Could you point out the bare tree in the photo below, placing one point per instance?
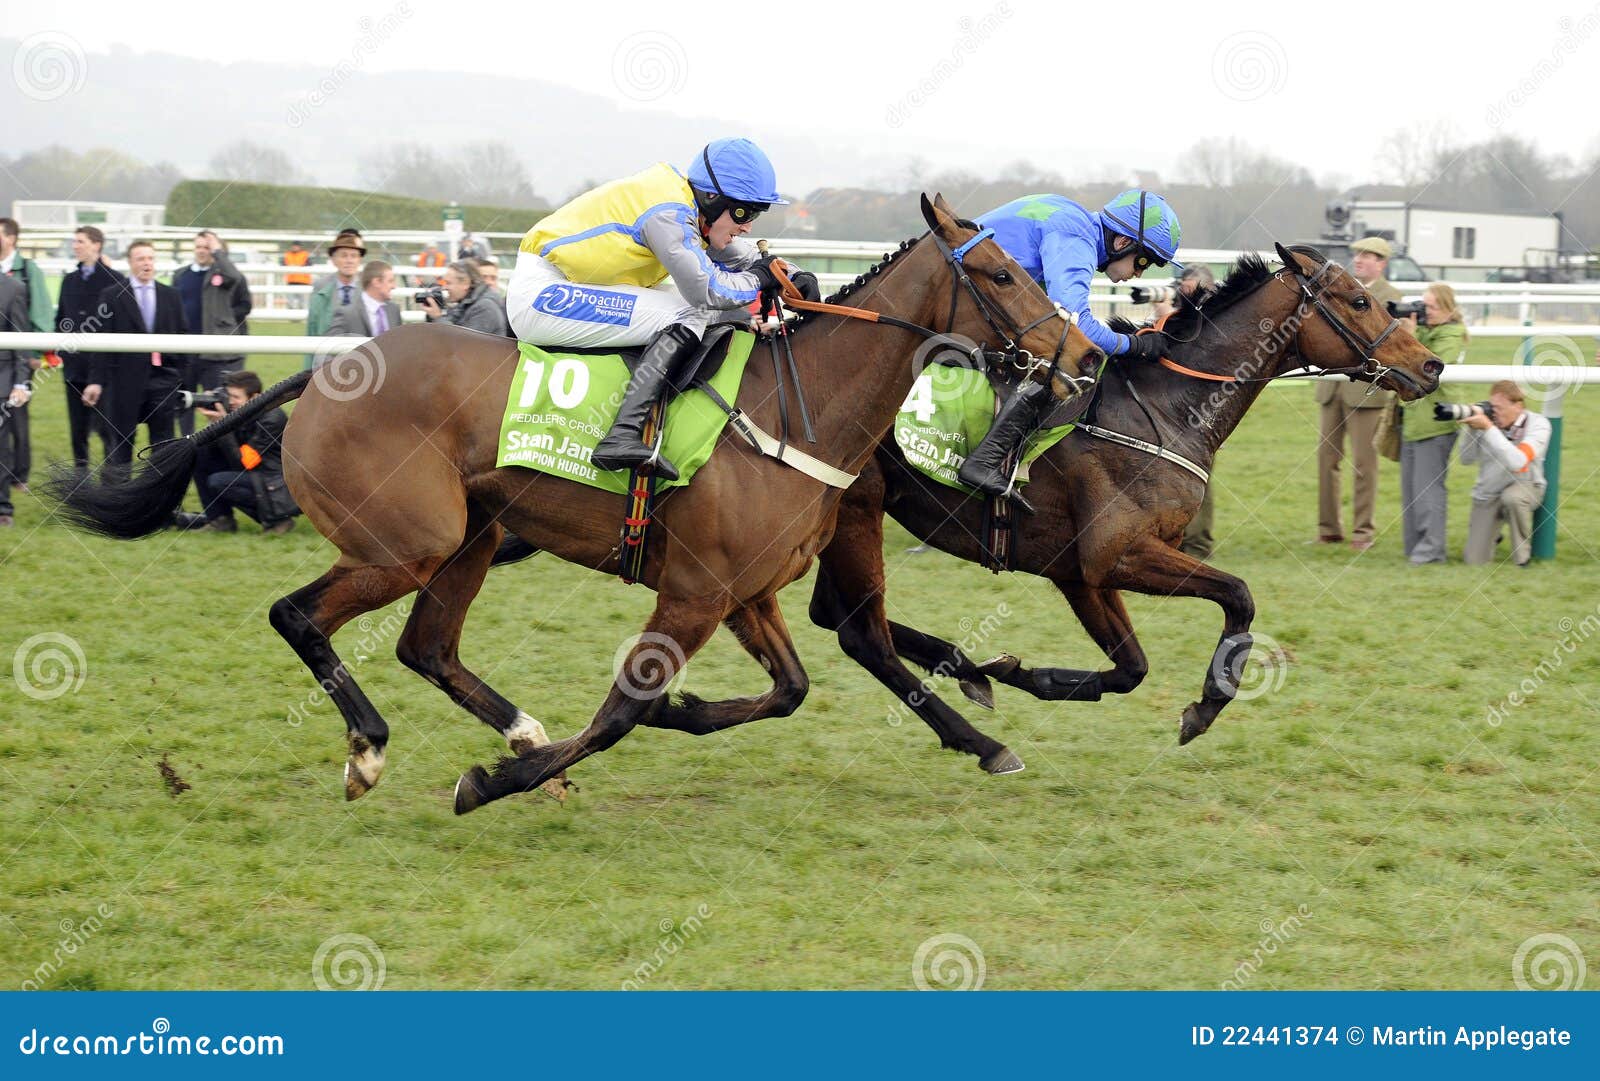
(1409, 156)
(245, 160)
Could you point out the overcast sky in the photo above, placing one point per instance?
(975, 84)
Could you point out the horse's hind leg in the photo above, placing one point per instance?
(307, 620)
(760, 629)
(677, 629)
(431, 641)
(848, 599)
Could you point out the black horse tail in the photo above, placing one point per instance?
(136, 507)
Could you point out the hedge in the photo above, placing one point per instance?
(222, 204)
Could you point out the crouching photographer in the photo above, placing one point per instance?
(463, 298)
(1508, 442)
(242, 470)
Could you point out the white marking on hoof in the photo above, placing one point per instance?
(525, 734)
(361, 773)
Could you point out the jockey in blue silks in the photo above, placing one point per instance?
(1062, 245)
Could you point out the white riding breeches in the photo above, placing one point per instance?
(547, 308)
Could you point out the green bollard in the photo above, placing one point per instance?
(1544, 516)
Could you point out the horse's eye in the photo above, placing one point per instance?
(1360, 304)
(1002, 277)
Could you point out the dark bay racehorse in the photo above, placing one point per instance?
(1110, 516)
(391, 454)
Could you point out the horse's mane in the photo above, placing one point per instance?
(1249, 273)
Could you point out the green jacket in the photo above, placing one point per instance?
(319, 312)
(1448, 342)
(41, 309)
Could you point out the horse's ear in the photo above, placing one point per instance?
(944, 207)
(929, 215)
(1286, 255)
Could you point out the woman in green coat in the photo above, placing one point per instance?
(1426, 443)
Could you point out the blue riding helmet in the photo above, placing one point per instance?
(1149, 221)
(734, 174)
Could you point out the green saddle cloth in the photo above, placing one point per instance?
(561, 405)
(946, 415)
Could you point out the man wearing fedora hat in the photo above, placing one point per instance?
(1353, 409)
(342, 288)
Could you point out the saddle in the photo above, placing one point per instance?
(704, 365)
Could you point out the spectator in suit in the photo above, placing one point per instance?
(79, 311)
(339, 290)
(41, 318)
(16, 374)
(138, 388)
(471, 304)
(244, 470)
(372, 312)
(1353, 409)
(216, 300)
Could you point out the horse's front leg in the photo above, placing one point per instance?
(1149, 566)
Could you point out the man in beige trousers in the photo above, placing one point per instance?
(1353, 409)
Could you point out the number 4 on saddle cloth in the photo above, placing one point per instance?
(562, 402)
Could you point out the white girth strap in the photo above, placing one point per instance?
(1148, 448)
(789, 455)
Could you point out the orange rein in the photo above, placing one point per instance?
(793, 299)
(1172, 365)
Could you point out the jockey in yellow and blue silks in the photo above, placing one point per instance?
(651, 259)
(1061, 245)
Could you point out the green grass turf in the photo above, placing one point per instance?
(1361, 825)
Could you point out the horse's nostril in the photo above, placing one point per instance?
(1433, 366)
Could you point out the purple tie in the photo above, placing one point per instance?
(383, 319)
(147, 306)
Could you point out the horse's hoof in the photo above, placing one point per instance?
(362, 770)
(1002, 761)
(979, 691)
(1192, 726)
(471, 790)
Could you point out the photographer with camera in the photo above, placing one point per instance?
(1425, 440)
(464, 299)
(244, 470)
(1508, 442)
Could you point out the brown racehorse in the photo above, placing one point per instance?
(391, 454)
(1110, 517)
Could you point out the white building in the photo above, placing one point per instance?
(68, 214)
(1461, 241)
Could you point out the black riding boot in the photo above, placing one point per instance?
(624, 447)
(984, 468)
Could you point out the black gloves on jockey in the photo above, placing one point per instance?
(1149, 346)
(803, 280)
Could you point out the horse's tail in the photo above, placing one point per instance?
(142, 505)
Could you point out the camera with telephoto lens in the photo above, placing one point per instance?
(191, 400)
(1154, 294)
(434, 293)
(1407, 308)
(1451, 411)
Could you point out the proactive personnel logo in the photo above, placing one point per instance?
(588, 305)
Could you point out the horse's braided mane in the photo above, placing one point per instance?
(871, 272)
(1249, 273)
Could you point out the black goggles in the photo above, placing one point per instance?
(745, 213)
